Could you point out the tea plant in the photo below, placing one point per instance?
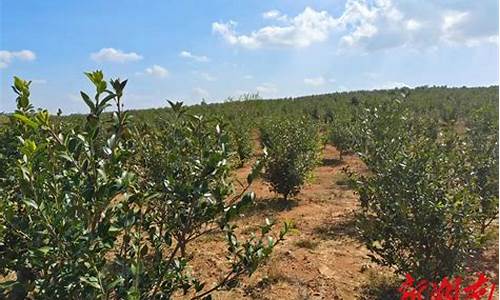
(59, 224)
(77, 223)
(343, 134)
(417, 216)
(294, 149)
(417, 212)
(186, 162)
(241, 142)
(481, 147)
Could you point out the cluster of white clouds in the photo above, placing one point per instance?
(6, 57)
(119, 56)
(275, 14)
(418, 24)
(198, 58)
(308, 27)
(114, 55)
(365, 25)
(267, 89)
(373, 25)
(318, 81)
(157, 71)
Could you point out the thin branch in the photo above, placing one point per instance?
(226, 279)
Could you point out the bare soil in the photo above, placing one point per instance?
(322, 258)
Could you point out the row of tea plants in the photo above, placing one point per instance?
(106, 209)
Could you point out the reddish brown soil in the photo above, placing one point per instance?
(322, 258)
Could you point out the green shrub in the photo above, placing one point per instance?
(186, 162)
(342, 137)
(78, 221)
(293, 147)
(481, 162)
(240, 142)
(417, 216)
(418, 213)
(60, 224)
(342, 130)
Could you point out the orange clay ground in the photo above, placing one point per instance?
(322, 258)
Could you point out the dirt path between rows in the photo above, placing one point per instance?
(322, 257)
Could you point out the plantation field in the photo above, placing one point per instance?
(335, 196)
(324, 257)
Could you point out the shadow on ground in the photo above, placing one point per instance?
(331, 162)
(380, 288)
(485, 259)
(270, 206)
(343, 227)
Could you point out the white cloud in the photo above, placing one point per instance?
(386, 24)
(6, 57)
(469, 27)
(198, 58)
(413, 24)
(248, 76)
(391, 85)
(157, 71)
(274, 14)
(207, 76)
(114, 55)
(308, 27)
(200, 93)
(271, 14)
(316, 81)
(452, 19)
(267, 89)
(374, 25)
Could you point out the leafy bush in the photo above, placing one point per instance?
(481, 162)
(342, 133)
(417, 211)
(294, 148)
(417, 215)
(186, 161)
(78, 223)
(241, 142)
(60, 222)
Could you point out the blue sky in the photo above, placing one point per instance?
(189, 50)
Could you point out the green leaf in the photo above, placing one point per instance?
(101, 86)
(108, 98)
(19, 83)
(44, 250)
(133, 294)
(88, 101)
(31, 203)
(115, 283)
(25, 120)
(92, 281)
